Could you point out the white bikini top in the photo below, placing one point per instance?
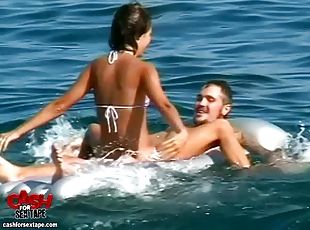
(113, 55)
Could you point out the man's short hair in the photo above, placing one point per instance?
(225, 88)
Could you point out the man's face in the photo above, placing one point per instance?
(209, 105)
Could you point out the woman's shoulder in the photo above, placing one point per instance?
(98, 62)
(148, 68)
(100, 59)
(139, 64)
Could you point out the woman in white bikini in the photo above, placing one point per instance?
(122, 85)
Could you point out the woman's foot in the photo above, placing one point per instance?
(65, 163)
(8, 171)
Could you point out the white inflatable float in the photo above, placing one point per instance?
(266, 134)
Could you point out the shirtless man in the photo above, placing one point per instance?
(213, 103)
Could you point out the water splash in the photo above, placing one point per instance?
(122, 176)
(298, 146)
(142, 179)
(62, 132)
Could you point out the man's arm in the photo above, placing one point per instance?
(252, 145)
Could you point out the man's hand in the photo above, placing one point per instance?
(6, 138)
(170, 148)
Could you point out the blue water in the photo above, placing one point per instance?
(262, 48)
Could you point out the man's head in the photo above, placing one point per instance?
(213, 101)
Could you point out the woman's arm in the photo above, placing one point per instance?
(52, 110)
(158, 97)
(170, 147)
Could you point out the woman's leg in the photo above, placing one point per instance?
(64, 163)
(10, 172)
(91, 139)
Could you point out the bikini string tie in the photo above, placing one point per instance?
(111, 113)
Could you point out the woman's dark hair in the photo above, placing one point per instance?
(129, 23)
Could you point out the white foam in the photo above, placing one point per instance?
(61, 132)
(298, 146)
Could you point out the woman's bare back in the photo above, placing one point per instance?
(120, 96)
